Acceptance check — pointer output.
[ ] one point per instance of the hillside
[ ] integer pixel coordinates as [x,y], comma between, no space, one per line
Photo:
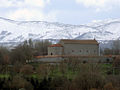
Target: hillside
[17,31]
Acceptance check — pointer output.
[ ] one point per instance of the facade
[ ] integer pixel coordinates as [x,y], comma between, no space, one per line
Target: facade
[55,49]
[75,47]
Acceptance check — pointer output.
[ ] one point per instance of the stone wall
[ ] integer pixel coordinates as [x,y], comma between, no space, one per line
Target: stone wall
[82,59]
[55,50]
[81,49]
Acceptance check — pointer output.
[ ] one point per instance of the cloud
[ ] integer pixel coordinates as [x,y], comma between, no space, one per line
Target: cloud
[37,3]
[28,10]
[32,14]
[99,4]
[19,3]
[9,3]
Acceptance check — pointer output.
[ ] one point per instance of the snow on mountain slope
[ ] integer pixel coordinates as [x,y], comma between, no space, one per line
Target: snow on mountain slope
[18,31]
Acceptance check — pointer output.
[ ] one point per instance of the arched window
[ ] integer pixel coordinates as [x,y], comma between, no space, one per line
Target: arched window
[51,53]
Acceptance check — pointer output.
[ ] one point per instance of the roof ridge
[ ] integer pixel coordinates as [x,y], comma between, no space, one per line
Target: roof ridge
[79,41]
[56,45]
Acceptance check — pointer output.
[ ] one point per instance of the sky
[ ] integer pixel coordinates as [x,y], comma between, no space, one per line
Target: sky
[63,11]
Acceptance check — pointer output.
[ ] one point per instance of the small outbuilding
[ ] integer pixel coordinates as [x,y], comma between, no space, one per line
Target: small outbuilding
[55,49]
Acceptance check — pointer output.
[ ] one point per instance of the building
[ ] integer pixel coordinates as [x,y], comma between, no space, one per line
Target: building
[55,49]
[75,47]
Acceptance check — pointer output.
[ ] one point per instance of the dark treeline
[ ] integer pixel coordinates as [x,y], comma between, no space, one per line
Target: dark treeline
[25,51]
[85,77]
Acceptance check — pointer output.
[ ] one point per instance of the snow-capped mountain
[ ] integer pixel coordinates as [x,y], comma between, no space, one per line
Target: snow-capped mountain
[17,31]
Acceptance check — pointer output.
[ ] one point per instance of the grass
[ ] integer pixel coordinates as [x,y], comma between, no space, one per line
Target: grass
[4,75]
[106,68]
[69,72]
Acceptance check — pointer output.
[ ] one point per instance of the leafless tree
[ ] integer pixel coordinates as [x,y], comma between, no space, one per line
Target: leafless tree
[41,47]
[116,47]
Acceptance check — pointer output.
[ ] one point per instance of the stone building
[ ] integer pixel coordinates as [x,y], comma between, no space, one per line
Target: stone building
[75,47]
[55,49]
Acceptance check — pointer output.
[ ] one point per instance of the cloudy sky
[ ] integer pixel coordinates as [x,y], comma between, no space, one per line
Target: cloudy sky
[64,11]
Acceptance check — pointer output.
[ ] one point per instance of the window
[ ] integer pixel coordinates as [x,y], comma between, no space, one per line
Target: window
[87,51]
[51,53]
[94,51]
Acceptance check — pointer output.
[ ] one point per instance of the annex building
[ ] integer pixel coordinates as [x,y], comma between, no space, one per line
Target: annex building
[75,47]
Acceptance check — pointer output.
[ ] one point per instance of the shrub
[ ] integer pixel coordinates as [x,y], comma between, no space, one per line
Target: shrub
[114,80]
[18,83]
[60,83]
[62,68]
[43,70]
[88,77]
[108,86]
[116,62]
[27,69]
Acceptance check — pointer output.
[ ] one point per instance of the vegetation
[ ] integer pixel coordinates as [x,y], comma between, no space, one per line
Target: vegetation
[115,50]
[71,74]
[43,76]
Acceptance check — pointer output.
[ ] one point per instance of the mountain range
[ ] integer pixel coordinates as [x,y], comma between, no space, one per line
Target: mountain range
[12,31]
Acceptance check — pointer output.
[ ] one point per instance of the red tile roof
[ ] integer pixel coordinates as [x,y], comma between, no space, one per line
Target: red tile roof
[56,45]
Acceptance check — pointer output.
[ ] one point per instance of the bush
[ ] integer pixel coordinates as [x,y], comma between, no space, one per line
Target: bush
[88,77]
[108,86]
[27,69]
[114,80]
[116,62]
[41,47]
[60,83]
[43,70]
[4,56]
[18,83]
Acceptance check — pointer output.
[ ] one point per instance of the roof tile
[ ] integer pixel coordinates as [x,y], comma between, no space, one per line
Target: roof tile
[71,41]
[56,45]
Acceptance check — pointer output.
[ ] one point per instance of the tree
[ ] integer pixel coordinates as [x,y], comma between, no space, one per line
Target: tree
[22,52]
[43,70]
[89,76]
[18,82]
[4,55]
[30,43]
[4,59]
[17,55]
[109,86]
[116,62]
[116,47]
[108,51]
[41,47]
[25,51]
[114,50]
[27,69]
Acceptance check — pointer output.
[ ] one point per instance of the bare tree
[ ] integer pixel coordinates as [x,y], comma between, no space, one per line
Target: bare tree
[108,51]
[4,55]
[41,47]
[27,69]
[22,52]
[116,47]
[20,83]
